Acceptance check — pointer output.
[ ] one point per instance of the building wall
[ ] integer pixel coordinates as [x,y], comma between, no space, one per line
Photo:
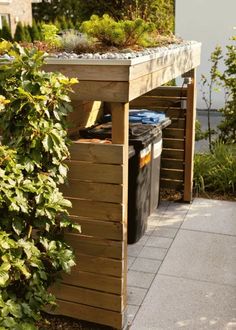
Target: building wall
[210,22]
[19,10]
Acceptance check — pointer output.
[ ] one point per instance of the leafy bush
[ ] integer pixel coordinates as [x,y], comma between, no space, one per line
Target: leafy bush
[33,110]
[49,33]
[123,33]
[216,171]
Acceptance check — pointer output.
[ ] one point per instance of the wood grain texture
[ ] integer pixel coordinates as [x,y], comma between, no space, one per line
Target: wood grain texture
[93,191]
[92,314]
[94,281]
[97,153]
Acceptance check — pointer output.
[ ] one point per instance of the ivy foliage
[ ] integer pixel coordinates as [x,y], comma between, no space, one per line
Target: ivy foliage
[123,33]
[33,212]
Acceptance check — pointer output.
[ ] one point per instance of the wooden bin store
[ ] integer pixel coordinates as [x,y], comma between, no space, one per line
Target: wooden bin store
[98,173]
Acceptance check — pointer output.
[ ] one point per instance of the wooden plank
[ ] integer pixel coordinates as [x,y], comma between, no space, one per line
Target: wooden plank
[177,164]
[190,137]
[94,281]
[95,247]
[100,173]
[100,229]
[92,72]
[108,91]
[153,80]
[93,209]
[177,123]
[176,133]
[88,297]
[172,174]
[180,60]
[94,191]
[88,313]
[99,265]
[173,143]
[97,153]
[172,184]
[120,134]
[153,102]
[176,91]
[173,153]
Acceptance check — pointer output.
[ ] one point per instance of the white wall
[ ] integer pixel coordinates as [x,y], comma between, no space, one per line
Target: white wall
[210,22]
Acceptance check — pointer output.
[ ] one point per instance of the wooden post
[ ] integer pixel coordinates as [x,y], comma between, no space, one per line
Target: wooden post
[120,135]
[190,135]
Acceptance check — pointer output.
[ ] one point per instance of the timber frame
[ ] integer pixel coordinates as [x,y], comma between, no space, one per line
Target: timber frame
[98,173]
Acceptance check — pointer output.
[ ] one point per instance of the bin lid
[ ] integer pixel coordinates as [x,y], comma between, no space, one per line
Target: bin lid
[145,116]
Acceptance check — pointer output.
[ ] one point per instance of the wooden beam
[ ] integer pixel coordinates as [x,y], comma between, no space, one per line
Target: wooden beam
[190,136]
[120,135]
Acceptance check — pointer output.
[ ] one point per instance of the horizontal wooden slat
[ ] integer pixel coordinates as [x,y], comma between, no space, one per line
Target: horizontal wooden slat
[94,191]
[173,153]
[96,247]
[153,102]
[92,314]
[172,174]
[103,173]
[176,133]
[94,281]
[97,153]
[177,123]
[100,229]
[92,72]
[91,264]
[172,163]
[88,297]
[93,209]
[174,91]
[173,143]
[171,184]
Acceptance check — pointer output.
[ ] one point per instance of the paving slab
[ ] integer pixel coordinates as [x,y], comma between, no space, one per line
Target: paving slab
[202,256]
[140,279]
[136,295]
[177,303]
[131,312]
[209,216]
[146,265]
[165,232]
[153,253]
[156,241]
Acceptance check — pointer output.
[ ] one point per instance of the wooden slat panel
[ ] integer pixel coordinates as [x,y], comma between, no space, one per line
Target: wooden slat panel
[94,281]
[176,133]
[169,111]
[97,153]
[94,191]
[177,123]
[153,80]
[99,265]
[102,173]
[96,247]
[92,72]
[172,174]
[172,163]
[171,184]
[88,297]
[100,229]
[174,91]
[98,210]
[108,91]
[173,143]
[173,153]
[91,314]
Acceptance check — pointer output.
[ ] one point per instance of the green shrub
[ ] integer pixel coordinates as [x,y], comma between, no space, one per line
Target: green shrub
[34,32]
[33,110]
[6,31]
[216,171]
[73,41]
[120,34]
[19,33]
[49,33]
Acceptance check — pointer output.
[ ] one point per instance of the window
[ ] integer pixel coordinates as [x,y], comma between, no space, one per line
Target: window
[5,1]
[6,17]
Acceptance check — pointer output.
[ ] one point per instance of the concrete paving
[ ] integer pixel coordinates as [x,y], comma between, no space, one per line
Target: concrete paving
[182,273]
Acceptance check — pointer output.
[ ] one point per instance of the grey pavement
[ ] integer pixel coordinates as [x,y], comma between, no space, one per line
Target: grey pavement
[182,273]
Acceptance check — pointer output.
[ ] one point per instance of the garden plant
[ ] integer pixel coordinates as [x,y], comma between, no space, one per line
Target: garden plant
[33,211]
